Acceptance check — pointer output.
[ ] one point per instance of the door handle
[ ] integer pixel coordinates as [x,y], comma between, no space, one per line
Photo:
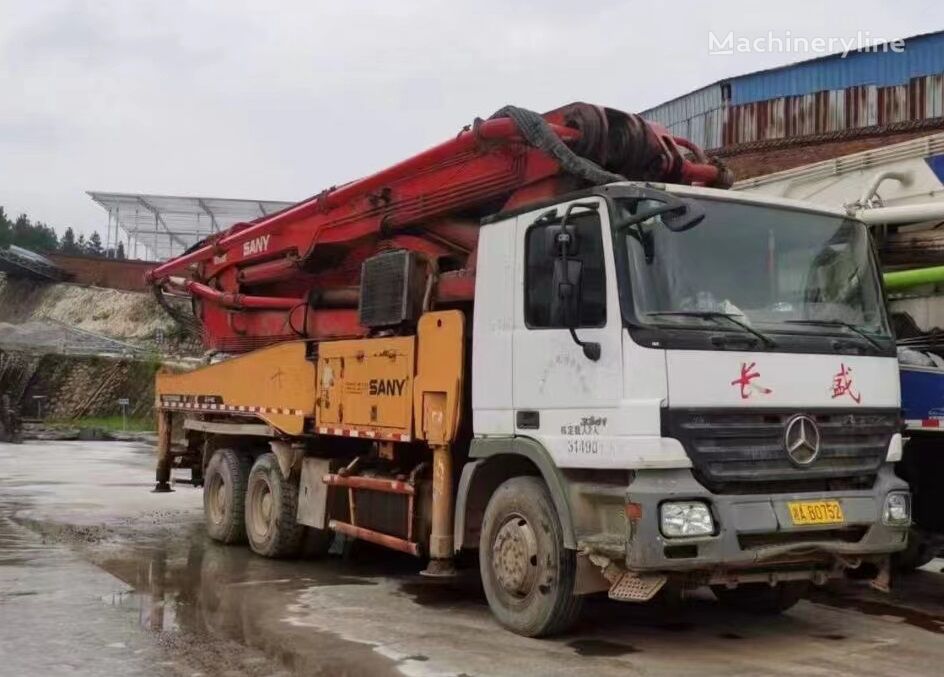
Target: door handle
[528,420]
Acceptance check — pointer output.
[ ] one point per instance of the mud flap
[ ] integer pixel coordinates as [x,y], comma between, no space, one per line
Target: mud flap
[313,493]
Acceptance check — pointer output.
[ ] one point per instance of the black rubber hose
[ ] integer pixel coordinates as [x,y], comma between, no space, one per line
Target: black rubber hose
[539,134]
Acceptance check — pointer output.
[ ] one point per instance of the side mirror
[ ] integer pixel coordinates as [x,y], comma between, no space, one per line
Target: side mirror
[565,304]
[561,241]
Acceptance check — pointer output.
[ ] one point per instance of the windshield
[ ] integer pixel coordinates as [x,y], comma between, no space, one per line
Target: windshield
[774,270]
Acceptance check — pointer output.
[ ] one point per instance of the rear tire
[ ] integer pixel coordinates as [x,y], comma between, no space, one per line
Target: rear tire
[224,495]
[271,510]
[527,573]
[761,598]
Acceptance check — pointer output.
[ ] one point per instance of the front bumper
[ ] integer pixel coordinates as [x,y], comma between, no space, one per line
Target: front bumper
[755,531]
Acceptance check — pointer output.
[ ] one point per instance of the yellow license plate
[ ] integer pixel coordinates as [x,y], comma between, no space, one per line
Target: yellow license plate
[816,512]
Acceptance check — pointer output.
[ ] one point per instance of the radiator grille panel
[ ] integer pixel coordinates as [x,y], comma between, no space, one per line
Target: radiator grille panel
[747,447]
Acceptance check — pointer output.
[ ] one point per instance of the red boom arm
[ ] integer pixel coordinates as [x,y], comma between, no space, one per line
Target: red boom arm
[295,273]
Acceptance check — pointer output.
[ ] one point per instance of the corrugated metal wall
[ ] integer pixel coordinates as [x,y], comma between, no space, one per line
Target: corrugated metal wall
[833,111]
[698,116]
[923,55]
[824,95]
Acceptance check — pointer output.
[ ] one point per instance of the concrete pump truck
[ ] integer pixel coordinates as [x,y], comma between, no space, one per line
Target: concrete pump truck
[555,340]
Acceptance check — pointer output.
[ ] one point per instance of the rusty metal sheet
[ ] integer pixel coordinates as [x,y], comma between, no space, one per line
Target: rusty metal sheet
[893,104]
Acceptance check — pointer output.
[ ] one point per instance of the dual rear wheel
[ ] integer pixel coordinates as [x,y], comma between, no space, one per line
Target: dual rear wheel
[256,503]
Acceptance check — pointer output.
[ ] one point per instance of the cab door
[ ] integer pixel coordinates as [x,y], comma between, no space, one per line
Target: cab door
[561,397]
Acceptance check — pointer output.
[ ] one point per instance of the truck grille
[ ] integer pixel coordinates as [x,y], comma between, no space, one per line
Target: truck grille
[743,451]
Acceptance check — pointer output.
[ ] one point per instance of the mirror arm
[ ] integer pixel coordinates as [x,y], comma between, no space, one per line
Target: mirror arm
[591,349]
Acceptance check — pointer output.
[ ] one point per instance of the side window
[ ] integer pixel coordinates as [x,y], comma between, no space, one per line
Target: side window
[541,304]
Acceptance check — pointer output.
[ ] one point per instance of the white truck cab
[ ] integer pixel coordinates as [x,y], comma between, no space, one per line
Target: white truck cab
[706,381]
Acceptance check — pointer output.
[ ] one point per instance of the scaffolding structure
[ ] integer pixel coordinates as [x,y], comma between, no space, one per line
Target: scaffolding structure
[159,227]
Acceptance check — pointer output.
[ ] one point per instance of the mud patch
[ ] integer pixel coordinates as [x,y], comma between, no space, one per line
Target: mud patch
[431,593]
[919,619]
[601,648]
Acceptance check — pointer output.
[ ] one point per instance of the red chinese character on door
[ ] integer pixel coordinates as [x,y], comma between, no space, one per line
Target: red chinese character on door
[744,381]
[842,384]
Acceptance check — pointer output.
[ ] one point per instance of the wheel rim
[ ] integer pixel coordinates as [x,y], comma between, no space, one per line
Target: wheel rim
[515,556]
[216,499]
[261,512]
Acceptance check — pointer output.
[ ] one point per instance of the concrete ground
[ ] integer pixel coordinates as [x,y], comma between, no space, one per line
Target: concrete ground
[100,577]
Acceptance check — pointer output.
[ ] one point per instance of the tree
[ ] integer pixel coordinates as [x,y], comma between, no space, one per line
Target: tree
[37,237]
[81,244]
[21,230]
[6,229]
[120,252]
[95,245]
[44,238]
[67,243]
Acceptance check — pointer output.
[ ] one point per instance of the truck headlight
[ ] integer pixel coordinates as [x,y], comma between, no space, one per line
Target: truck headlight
[686,518]
[897,511]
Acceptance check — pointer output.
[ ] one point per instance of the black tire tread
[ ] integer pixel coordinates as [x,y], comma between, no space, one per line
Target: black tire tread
[567,607]
[236,466]
[289,534]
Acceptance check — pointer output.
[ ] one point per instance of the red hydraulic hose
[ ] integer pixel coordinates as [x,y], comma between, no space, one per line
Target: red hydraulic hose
[707,175]
[231,300]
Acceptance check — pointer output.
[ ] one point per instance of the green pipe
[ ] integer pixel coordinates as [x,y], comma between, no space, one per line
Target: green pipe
[902,279]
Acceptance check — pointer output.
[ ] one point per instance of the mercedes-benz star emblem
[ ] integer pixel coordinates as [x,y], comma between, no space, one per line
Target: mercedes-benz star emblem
[801,440]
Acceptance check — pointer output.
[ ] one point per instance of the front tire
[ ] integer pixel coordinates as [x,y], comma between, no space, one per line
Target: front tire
[527,573]
[271,510]
[761,598]
[224,494]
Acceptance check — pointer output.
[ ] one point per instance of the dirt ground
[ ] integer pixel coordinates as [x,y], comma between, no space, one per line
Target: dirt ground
[120,315]
[100,577]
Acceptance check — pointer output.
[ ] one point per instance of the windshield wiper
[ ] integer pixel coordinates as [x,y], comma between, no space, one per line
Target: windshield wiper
[838,323]
[713,314]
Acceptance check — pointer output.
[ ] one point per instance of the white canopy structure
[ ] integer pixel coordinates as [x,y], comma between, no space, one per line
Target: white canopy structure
[159,227]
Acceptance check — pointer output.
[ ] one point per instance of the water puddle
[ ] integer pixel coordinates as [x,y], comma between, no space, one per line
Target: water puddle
[914,617]
[193,592]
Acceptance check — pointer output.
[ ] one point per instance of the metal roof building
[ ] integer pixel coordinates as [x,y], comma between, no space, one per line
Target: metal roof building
[158,227]
[867,89]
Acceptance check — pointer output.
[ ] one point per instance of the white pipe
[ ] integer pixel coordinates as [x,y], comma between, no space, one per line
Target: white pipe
[904,178]
[917,213]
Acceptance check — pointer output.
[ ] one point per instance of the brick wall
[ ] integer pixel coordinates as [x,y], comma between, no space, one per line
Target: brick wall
[110,273]
[759,159]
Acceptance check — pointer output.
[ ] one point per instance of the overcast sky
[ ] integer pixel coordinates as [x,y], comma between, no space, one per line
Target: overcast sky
[280,99]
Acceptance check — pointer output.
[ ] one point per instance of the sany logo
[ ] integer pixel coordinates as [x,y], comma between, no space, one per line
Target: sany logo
[744,381]
[842,384]
[256,245]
